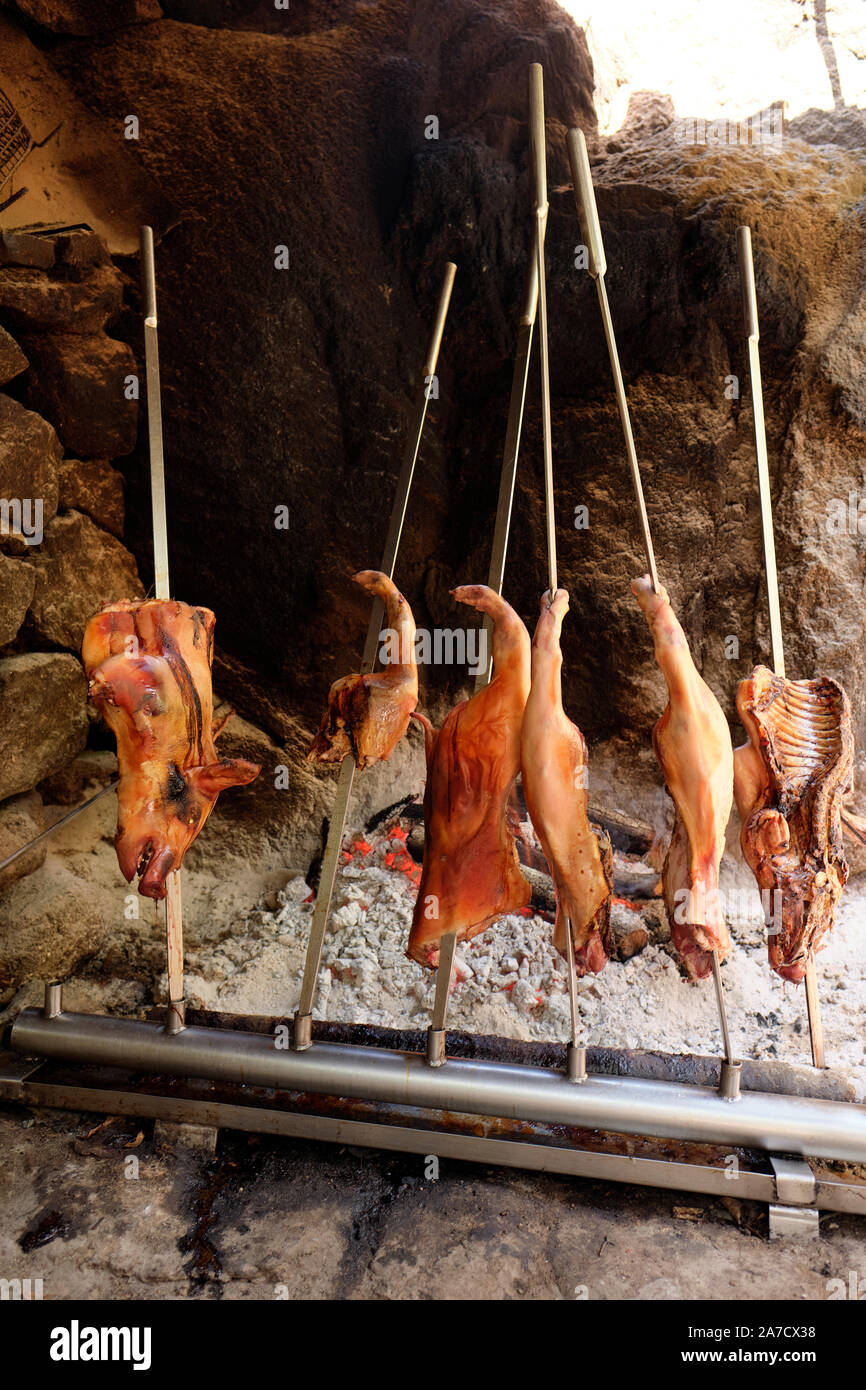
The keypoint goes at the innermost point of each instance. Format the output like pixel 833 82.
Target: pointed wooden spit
pixel 496 574
pixel 303 1025
pixel 173 903
pixel 584 194
pixel 750 312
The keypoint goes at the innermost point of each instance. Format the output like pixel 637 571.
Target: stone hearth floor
pixel 265 1219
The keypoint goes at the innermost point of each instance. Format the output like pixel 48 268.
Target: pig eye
pixel 176 783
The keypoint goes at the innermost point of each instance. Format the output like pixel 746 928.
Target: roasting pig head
pixel 789 783
pixel 149 667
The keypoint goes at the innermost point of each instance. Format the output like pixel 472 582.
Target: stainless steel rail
pixel 777 1123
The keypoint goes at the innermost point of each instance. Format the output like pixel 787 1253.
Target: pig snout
pixel 149 857
pixel 152 882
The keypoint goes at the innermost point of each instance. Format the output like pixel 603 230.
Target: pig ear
pixel 230 772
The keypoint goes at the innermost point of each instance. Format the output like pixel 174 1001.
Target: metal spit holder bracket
pixel 14 1071
pixel 793 1213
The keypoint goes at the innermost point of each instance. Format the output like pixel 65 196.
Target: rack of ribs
pixel 367 715
pixel 149 667
pixel 471 874
pixel 789 781
pixel 554 766
pixel 693 745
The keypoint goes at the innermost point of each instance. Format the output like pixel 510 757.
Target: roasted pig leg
pixel 554 766
pixel 368 715
pixel 149 667
pixel 471 874
pixel 693 745
pixel 790 780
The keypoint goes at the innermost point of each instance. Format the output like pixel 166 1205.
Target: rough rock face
pixel 311 398
pixel 315 388
pixel 17 583
pixel 83 17
pixel 78 569
pixel 30 455
pixel 60 519
pixel 21 819
pixel 43 717
pixel 34 301
pixel 79 382
pixel 94 487
pixel 670 216
pixel 59 923
pixel 12 359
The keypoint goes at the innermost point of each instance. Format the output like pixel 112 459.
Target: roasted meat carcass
pixel 554 765
pixel 367 715
pixel 693 746
pixel 789 781
pixel 149 667
pixel 471 873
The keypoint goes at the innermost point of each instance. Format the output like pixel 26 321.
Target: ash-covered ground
pixel 247 919
pixel 510 981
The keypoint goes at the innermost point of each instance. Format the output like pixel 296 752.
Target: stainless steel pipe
pixel 778 1123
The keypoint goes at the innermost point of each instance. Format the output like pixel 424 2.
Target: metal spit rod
pixel 587 211
pixel 162 591
pixel 591 231
pixel 508 476
pixel 538 156
pixel 535 301
pixel 304 1016
pixel 64 820
pixel 750 313
pixel 496 574
pixel 538 151
pixel 621 1104
pixel 444 984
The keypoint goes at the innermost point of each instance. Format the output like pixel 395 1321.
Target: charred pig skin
pixel 149 668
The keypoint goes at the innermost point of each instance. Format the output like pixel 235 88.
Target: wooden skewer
pixel 162 591
pixel 750 313
pixel 597 265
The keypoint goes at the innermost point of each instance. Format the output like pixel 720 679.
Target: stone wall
pixel 67 409
pixel 294 387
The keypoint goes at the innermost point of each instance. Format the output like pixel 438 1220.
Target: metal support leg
pixel 444 980
pixel 794 1212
